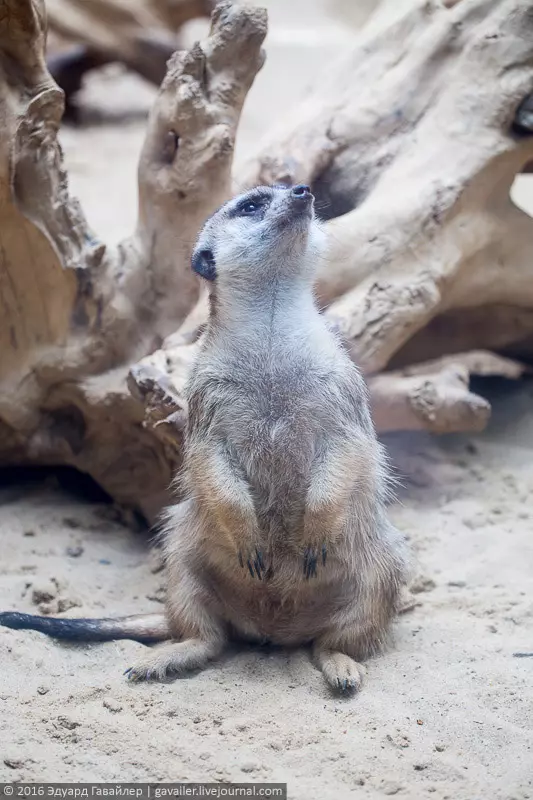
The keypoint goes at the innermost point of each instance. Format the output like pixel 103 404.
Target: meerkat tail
pixel 145 628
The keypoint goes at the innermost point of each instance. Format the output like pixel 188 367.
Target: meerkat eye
pixel 254 206
pixel 249 207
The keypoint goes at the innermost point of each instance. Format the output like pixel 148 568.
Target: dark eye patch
pixel 254 204
pixel 250 207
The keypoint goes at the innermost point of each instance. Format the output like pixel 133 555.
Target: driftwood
pixel 76 314
pixel 411 145
pixel 141 34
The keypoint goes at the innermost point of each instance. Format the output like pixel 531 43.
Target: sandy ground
pixel 447 713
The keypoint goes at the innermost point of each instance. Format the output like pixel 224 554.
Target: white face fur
pixel 269 232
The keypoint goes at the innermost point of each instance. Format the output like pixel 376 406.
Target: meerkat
pixel 283 535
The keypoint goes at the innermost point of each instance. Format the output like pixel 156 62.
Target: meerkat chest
pixel 280 404
pixel 271 402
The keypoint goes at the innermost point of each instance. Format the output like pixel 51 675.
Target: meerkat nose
pixel 301 191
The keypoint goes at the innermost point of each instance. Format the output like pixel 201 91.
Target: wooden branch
pixel 410 146
pixel 435 396
pixel 185 165
pixel 75 313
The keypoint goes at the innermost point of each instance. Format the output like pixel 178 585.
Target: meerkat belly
pixel 284 619
pixel 284 611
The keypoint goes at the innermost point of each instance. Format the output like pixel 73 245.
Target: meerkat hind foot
pixel 173 660
pixel 342 673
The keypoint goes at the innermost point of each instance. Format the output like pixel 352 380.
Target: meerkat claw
pixel 348 687
pixel 311 556
pixel 255 564
pixel 259 564
pixel 134 676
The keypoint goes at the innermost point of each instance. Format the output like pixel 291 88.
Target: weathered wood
pixel 75 312
pixel 411 143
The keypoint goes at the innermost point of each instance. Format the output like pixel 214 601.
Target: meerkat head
pixel 270 231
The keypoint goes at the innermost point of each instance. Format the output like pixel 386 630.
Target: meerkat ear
pixel 203 262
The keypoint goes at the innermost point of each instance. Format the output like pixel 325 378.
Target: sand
pixel 446 713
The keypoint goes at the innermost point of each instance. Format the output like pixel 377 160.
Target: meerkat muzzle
pixel 301 199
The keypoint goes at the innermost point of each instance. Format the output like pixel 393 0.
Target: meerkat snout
pixel 301 200
pixel 301 191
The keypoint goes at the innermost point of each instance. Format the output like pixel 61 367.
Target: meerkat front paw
pixel 254 562
pixel 314 555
